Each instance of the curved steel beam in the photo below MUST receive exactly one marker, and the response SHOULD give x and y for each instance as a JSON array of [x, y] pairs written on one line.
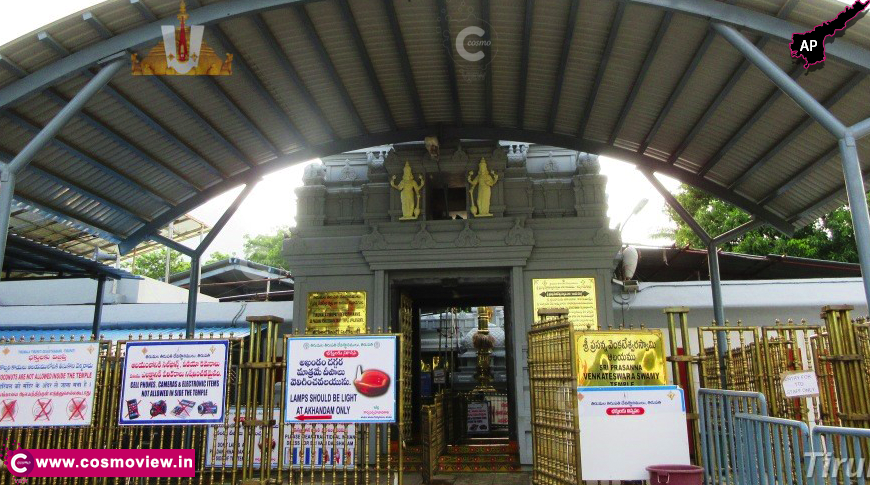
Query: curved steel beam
[[470, 132]]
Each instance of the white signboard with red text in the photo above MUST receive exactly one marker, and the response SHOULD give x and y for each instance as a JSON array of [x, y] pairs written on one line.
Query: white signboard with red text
[[646, 424], [174, 382], [341, 379], [47, 384]]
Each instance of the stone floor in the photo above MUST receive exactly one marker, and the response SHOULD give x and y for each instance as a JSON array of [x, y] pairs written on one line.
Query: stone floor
[[522, 478]]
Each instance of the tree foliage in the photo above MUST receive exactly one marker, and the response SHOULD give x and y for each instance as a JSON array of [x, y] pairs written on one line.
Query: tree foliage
[[153, 264], [830, 237], [266, 248]]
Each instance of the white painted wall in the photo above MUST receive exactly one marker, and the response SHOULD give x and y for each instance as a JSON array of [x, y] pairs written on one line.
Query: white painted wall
[[759, 302], [83, 291], [141, 315]]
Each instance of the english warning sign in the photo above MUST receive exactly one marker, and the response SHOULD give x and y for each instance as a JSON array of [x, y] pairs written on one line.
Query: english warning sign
[[341, 379], [182, 382]]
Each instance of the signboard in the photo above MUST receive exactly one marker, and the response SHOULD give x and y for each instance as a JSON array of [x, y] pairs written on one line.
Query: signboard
[[478, 417], [577, 295], [174, 383], [800, 384], [336, 312], [47, 384], [323, 446], [625, 429], [440, 376], [620, 358], [341, 379], [320, 445], [500, 412]]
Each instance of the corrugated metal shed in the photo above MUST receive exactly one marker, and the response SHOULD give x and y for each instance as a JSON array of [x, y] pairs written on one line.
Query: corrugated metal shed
[[650, 85]]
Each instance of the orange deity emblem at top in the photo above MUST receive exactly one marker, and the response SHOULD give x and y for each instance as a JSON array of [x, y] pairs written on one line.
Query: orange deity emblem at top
[[182, 53]]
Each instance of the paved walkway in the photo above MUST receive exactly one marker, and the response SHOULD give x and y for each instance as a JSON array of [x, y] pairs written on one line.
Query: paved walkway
[[522, 478]]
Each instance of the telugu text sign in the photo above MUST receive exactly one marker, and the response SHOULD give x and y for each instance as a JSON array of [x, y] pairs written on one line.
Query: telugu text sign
[[577, 295], [623, 430], [341, 379], [336, 311], [174, 383], [620, 358], [47, 384]]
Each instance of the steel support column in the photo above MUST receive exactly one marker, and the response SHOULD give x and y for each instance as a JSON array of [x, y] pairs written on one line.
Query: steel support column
[[848, 149], [712, 244], [196, 257], [8, 171], [98, 307], [7, 190], [857, 206], [788, 85], [192, 294]]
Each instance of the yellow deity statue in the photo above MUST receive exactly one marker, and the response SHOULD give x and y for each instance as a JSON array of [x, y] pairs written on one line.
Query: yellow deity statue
[[484, 181], [410, 193]]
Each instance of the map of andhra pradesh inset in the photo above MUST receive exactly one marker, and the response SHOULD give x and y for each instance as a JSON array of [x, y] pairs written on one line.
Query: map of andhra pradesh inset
[[810, 46]]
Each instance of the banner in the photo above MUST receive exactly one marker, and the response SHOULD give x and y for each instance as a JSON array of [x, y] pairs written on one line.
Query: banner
[[320, 445], [620, 358], [174, 383], [341, 379], [47, 384], [577, 295]]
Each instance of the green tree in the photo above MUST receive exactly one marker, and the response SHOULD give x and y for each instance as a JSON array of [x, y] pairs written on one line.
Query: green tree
[[153, 264], [830, 237], [218, 256], [266, 248]]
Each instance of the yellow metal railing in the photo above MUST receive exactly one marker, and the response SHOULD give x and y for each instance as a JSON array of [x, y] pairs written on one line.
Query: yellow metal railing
[[232, 452]]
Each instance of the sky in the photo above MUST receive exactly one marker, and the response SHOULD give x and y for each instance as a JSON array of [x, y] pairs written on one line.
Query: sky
[[273, 203]]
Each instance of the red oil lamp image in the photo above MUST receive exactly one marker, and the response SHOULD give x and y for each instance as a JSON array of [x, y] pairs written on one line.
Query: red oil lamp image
[[372, 382]]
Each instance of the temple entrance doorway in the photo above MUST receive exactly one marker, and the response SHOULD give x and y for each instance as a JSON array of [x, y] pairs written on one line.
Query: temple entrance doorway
[[460, 362]]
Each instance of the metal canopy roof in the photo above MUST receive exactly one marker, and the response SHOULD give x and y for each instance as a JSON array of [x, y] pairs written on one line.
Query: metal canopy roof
[[645, 81], [27, 256], [47, 228]]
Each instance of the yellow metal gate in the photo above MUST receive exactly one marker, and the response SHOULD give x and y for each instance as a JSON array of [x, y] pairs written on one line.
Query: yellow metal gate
[[553, 386]]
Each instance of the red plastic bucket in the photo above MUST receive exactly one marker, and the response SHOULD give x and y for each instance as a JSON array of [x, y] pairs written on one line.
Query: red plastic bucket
[[675, 475]]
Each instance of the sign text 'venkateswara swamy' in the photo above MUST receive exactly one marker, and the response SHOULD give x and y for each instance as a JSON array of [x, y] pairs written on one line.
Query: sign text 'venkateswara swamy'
[[336, 312], [620, 358], [577, 295]]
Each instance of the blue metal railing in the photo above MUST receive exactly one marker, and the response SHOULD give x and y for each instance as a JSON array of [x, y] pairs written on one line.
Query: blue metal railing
[[840, 455], [774, 450], [719, 445]]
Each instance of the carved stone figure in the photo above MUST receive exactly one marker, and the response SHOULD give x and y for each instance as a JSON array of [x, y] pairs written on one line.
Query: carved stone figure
[[410, 193], [483, 181]]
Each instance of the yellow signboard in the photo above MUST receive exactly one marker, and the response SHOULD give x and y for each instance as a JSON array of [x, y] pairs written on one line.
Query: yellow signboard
[[336, 312], [620, 358], [577, 295]]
